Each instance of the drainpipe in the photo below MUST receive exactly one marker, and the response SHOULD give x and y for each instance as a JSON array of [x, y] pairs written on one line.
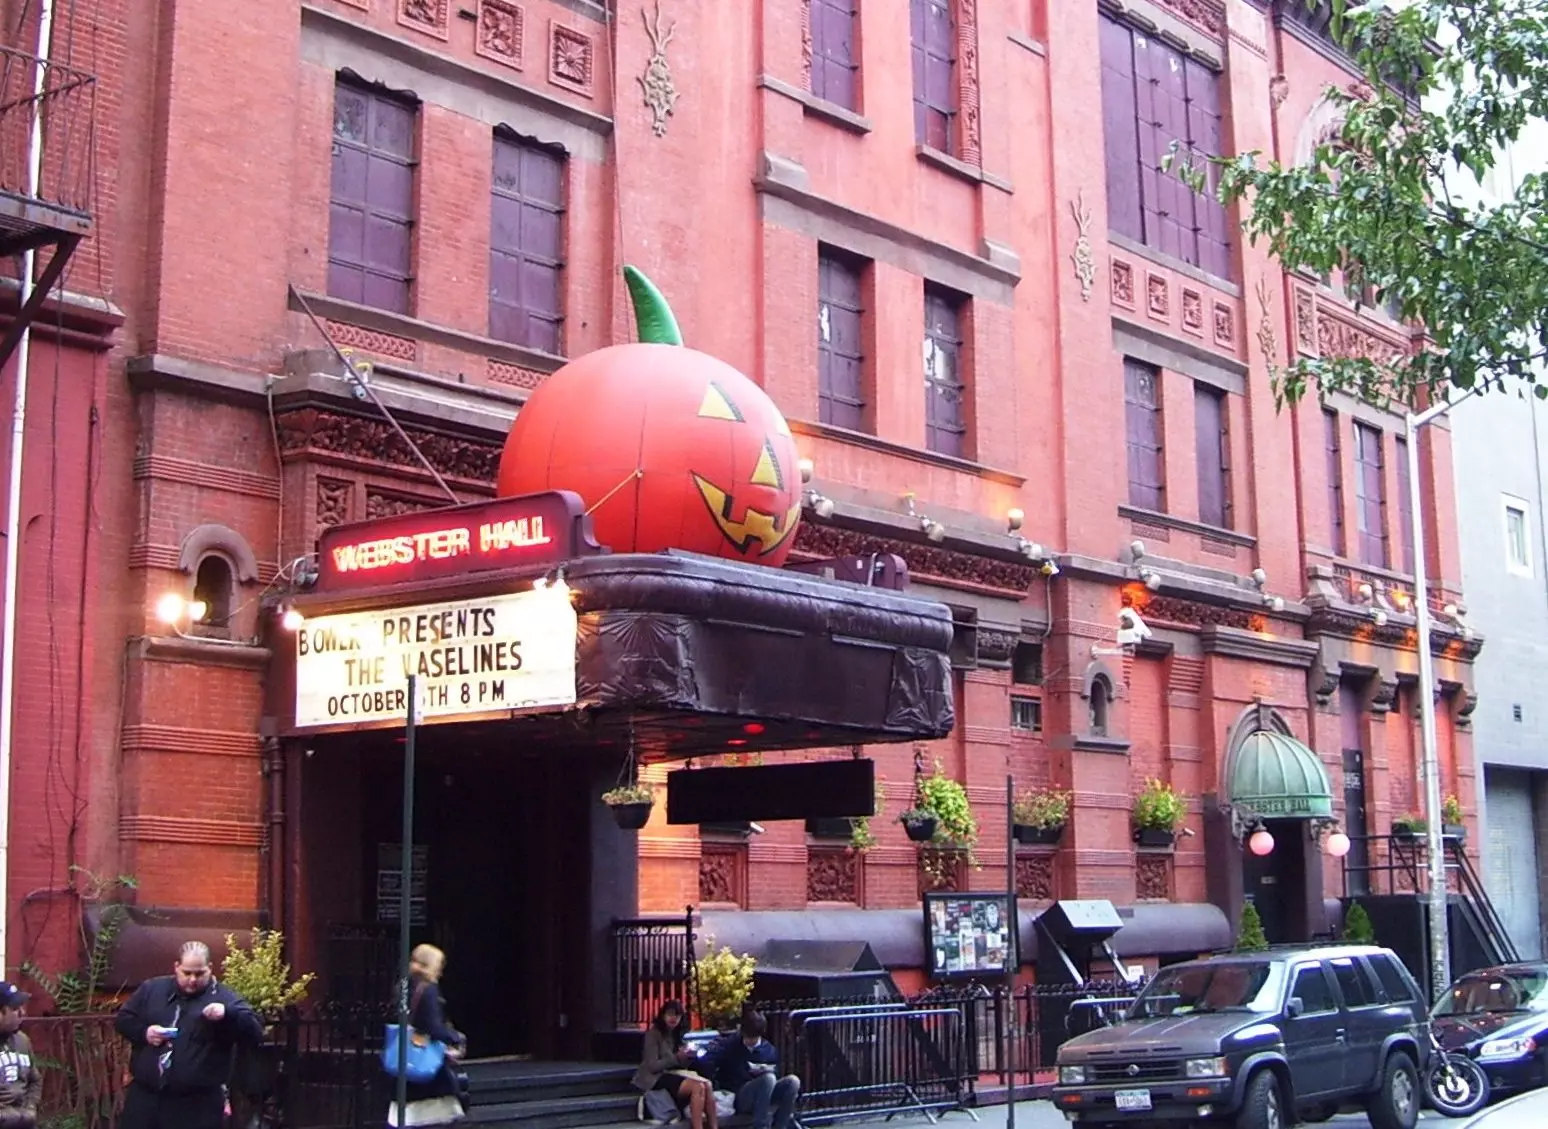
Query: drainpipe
[[13, 522]]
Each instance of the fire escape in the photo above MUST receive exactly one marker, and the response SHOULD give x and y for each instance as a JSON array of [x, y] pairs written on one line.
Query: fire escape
[[47, 146]]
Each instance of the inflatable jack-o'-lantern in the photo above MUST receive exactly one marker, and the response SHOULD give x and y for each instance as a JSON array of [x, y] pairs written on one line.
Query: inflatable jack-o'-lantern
[[670, 447]]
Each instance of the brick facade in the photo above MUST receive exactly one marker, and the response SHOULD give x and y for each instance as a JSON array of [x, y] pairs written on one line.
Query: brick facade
[[216, 404]]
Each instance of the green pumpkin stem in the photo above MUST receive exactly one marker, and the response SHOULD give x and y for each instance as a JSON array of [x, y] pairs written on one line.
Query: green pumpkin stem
[[653, 318]]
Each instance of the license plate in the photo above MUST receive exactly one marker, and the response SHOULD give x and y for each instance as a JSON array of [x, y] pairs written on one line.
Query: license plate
[[1132, 1099]]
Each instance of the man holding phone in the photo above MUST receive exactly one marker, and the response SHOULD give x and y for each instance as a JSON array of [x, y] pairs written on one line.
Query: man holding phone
[[183, 1030]]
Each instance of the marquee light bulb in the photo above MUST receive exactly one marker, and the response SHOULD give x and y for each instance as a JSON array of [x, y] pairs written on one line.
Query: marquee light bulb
[[1261, 843], [169, 609], [292, 620]]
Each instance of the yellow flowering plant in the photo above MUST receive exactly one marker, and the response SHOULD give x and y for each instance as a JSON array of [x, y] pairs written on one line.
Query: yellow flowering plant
[[260, 975], [722, 985]]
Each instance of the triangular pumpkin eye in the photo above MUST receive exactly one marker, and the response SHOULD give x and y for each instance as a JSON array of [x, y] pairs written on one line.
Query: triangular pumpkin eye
[[717, 405], [766, 471]]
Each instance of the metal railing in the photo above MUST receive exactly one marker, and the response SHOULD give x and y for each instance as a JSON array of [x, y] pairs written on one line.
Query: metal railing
[[652, 963], [68, 105], [83, 1062]]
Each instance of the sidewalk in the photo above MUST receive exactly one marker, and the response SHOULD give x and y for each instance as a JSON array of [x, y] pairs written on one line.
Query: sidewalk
[[1029, 1115]]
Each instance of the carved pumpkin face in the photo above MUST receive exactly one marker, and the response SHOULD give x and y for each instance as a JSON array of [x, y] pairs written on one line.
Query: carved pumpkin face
[[670, 448]]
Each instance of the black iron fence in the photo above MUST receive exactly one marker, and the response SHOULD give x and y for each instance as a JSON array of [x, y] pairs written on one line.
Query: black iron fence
[[652, 963]]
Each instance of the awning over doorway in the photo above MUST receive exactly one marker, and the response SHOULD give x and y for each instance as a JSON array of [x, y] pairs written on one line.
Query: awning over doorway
[[1277, 777]]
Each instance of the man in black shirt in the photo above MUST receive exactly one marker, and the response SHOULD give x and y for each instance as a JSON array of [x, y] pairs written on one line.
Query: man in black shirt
[[748, 1065], [183, 1030]]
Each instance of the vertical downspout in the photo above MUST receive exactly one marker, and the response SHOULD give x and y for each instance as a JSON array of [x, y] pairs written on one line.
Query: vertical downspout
[[13, 521]]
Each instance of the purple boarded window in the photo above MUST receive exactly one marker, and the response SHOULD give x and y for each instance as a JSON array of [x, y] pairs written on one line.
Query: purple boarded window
[[1142, 425], [1370, 496], [1153, 96], [840, 358], [833, 51], [945, 393], [1405, 506], [371, 202], [934, 54], [1333, 447], [526, 244], [1213, 447]]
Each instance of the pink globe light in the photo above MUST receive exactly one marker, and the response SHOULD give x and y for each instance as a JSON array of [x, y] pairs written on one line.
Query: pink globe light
[[1261, 843], [1337, 844]]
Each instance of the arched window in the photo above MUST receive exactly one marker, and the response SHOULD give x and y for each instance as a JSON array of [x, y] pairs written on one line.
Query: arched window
[[1100, 698], [212, 588]]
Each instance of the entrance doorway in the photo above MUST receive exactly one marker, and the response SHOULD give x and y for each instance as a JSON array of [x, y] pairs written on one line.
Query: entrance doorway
[[1276, 882], [503, 880]]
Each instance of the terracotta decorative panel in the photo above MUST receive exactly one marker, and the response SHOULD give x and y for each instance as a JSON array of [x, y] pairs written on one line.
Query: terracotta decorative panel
[[571, 58], [833, 875], [501, 32], [941, 870], [1158, 298], [723, 874], [967, 80], [382, 504], [372, 341], [1225, 325], [1153, 877], [503, 372], [1123, 283], [428, 16], [1192, 311], [1036, 878], [333, 498]]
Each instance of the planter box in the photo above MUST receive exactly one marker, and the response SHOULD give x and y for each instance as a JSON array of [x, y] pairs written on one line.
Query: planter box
[[1154, 837], [1454, 831], [920, 831], [1038, 836], [1407, 835], [631, 817]]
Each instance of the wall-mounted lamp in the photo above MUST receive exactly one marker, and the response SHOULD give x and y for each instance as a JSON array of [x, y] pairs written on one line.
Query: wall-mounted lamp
[[1151, 578], [1259, 578], [1136, 549], [821, 505], [808, 468], [1029, 549], [1337, 844], [1274, 603], [1261, 843], [1366, 591], [933, 529], [173, 608], [1049, 569], [1379, 617], [291, 619], [1013, 519]]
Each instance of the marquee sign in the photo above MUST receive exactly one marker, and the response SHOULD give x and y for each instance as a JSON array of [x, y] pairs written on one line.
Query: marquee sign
[[514, 651], [534, 529]]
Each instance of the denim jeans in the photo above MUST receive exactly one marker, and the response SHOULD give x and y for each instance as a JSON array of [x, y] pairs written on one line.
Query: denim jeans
[[763, 1094]]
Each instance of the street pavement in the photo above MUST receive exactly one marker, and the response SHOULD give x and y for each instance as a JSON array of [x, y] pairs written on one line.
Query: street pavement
[[1043, 1115]]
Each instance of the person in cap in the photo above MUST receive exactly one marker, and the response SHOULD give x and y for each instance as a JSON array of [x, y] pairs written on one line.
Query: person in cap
[[183, 1030], [21, 1083]]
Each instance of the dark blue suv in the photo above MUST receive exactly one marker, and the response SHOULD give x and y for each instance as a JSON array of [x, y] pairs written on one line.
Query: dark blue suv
[[1257, 1041]]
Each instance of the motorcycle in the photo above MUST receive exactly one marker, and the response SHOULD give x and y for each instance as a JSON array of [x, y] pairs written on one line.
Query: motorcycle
[[1455, 1085]]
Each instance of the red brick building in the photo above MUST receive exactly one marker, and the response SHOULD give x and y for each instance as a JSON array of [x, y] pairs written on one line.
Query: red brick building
[[941, 243]]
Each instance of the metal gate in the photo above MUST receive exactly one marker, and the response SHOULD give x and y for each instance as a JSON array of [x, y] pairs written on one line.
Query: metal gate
[[1510, 857]]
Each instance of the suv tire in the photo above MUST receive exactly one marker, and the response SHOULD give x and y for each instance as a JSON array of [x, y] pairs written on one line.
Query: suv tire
[[1395, 1105], [1264, 1107]]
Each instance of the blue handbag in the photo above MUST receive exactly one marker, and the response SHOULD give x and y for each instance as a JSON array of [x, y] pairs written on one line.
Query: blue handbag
[[425, 1055]]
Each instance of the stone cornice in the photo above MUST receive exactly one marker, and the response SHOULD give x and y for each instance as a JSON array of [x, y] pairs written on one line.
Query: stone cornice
[[947, 567], [1218, 639]]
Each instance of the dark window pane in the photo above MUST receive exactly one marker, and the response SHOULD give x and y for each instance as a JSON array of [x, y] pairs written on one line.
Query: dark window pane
[[526, 244], [945, 393], [1120, 130], [1352, 983], [370, 233], [1142, 423], [1370, 496], [1335, 473], [840, 360], [1405, 509], [1212, 455], [933, 54], [1393, 983], [1311, 986], [833, 55]]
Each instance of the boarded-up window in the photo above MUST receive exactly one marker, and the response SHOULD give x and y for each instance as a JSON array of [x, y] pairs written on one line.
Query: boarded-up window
[[371, 200], [526, 244], [1334, 450], [945, 392], [1142, 423], [1213, 444], [834, 59], [1370, 496], [933, 43], [1405, 507], [840, 357], [1152, 96]]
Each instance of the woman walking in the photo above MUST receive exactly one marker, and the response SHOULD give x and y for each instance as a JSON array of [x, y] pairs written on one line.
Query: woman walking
[[666, 1065], [438, 1101]]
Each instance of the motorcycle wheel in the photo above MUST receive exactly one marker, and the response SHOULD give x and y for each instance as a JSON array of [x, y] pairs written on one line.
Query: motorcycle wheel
[[1456, 1086]]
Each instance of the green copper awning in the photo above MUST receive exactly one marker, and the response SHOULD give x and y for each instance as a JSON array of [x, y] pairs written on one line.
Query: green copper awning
[[1277, 777]]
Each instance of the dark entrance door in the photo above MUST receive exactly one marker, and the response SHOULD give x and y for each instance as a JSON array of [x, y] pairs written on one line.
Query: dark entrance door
[[1276, 882], [1357, 864], [507, 890]]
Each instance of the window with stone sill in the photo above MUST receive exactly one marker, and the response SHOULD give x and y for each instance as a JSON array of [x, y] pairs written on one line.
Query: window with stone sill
[[1370, 496], [835, 62], [840, 339], [526, 243], [1152, 96], [1099, 705], [1143, 432], [1026, 699], [945, 388], [1212, 451], [933, 51], [371, 199]]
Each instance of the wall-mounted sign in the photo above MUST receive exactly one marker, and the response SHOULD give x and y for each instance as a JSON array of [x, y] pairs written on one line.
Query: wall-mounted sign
[[532, 530], [514, 651], [967, 935]]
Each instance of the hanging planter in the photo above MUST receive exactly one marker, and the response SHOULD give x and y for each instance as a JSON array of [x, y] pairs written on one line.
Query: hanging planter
[[630, 805], [919, 825]]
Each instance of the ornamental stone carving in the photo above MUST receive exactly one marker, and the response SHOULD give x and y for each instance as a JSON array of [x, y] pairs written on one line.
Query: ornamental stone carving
[[1192, 310], [1082, 256], [372, 442], [1266, 339], [816, 541], [967, 80], [428, 16], [656, 83], [1206, 15], [995, 647], [501, 32], [1123, 283], [571, 58], [833, 875], [1035, 876], [1170, 609], [1153, 877], [722, 868], [333, 497], [380, 504]]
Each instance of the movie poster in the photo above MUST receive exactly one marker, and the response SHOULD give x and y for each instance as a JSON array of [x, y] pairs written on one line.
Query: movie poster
[[968, 934]]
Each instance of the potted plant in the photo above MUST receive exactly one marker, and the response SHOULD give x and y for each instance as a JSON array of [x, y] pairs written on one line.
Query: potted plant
[[260, 975], [1038, 816], [1158, 813], [941, 803], [1408, 828], [1451, 819], [919, 824], [630, 805], [722, 983]]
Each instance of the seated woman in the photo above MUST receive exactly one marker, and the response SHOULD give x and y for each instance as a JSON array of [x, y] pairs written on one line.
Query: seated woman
[[663, 1063]]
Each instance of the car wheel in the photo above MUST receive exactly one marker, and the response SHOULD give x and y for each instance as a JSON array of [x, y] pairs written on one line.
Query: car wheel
[[1396, 1103], [1263, 1106]]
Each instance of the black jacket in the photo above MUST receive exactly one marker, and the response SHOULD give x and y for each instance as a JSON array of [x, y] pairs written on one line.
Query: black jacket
[[202, 1051], [731, 1061]]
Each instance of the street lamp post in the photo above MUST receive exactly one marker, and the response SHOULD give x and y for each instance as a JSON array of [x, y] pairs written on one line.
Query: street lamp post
[[1440, 956]]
